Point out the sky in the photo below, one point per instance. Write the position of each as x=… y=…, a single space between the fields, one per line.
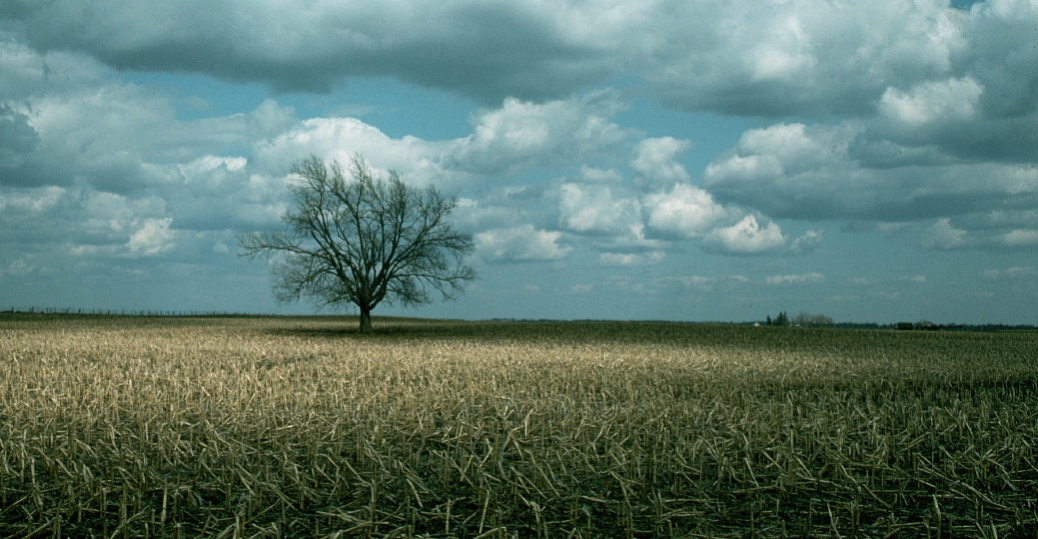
x=612 y=159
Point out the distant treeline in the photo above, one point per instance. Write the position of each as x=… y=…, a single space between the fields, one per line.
x=123 y=312
x=782 y=320
x=934 y=327
x=818 y=320
x=960 y=327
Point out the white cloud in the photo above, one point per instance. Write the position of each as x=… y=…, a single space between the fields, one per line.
x=84 y=222
x=807 y=243
x=784 y=54
x=704 y=283
x=582 y=288
x=744 y=168
x=695 y=281
x=484 y=50
x=418 y=161
x=26 y=71
x=516 y=137
x=943 y=235
x=843 y=171
x=813 y=277
x=521 y=243
x=595 y=208
x=120 y=137
x=686 y=211
x=630 y=259
x=737 y=57
x=918 y=64
x=153 y=237
x=1020 y=238
x=22 y=266
x=18 y=139
x=107 y=213
x=747 y=237
x=655 y=162
x=521 y=135
x=1009 y=273
x=793 y=57
x=796 y=147
x=772 y=169
x=952 y=100
x=212 y=163
x=1002 y=51
x=31 y=202
x=590 y=174
x=259 y=202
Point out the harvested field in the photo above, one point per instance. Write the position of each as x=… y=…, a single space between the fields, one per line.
x=298 y=427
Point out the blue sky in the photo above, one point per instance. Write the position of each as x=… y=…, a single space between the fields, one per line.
x=612 y=159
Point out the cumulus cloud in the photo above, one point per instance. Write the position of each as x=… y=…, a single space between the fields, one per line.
x=594 y=208
x=582 y=288
x=24 y=203
x=515 y=137
x=1001 y=53
x=153 y=237
x=120 y=225
x=950 y=100
x=418 y=161
x=81 y=221
x=521 y=243
x=27 y=70
x=808 y=242
x=630 y=259
x=950 y=141
x=522 y=134
x=655 y=162
x=17 y=138
x=590 y=174
x=943 y=235
x=782 y=58
x=694 y=281
x=120 y=137
x=813 y=277
x=1013 y=272
x=1021 y=238
x=737 y=57
x=685 y=211
x=485 y=50
x=902 y=72
x=22 y=266
x=817 y=172
x=747 y=236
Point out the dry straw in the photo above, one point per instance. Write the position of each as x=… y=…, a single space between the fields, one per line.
x=252 y=428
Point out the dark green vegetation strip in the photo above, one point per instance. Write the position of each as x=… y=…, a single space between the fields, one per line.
x=268 y=427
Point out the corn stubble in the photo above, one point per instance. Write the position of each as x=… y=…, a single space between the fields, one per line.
x=235 y=428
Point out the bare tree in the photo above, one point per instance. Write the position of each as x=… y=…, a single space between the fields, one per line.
x=362 y=241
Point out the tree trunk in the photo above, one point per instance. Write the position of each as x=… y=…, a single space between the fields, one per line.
x=365 y=321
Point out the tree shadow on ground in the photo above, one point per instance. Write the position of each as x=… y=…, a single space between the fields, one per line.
x=386 y=329
x=560 y=332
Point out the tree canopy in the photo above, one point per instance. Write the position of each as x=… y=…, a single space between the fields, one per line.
x=362 y=241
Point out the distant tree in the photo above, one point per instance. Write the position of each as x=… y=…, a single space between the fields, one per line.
x=767 y=322
x=813 y=320
x=362 y=241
